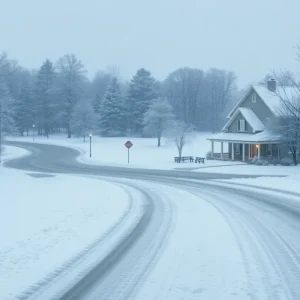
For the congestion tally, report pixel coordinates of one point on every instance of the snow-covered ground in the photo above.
(48, 224)
(289, 183)
(247, 169)
(12, 152)
(145, 154)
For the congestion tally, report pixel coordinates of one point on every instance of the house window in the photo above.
(253, 98)
(242, 126)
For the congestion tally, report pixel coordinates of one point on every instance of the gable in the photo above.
(247, 114)
(232, 126)
(260, 108)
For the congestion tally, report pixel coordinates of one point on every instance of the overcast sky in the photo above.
(247, 37)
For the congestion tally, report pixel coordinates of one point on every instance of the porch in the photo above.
(244, 146)
(243, 151)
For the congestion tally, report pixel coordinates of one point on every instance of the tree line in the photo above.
(58, 97)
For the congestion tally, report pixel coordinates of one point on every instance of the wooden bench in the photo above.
(183, 159)
(199, 159)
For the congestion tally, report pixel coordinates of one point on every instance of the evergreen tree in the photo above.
(6, 109)
(112, 113)
(24, 109)
(44, 96)
(143, 89)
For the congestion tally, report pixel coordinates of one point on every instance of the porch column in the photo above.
(221, 150)
(212, 148)
(232, 151)
(243, 152)
(258, 152)
(249, 151)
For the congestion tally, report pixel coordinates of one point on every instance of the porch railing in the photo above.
(217, 156)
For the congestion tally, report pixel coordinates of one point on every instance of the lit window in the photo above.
(253, 98)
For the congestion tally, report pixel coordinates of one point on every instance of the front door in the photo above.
(252, 150)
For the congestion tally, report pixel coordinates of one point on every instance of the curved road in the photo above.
(264, 230)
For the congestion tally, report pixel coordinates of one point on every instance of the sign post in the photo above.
(128, 145)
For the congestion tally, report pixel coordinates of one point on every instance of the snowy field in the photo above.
(47, 224)
(145, 154)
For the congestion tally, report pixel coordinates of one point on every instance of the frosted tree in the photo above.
(99, 86)
(157, 119)
(83, 119)
(24, 109)
(182, 134)
(287, 128)
(219, 87)
(97, 103)
(45, 98)
(6, 100)
(287, 124)
(112, 113)
(70, 81)
(6, 109)
(143, 90)
(184, 90)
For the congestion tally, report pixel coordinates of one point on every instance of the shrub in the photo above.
(209, 155)
(266, 163)
(254, 160)
(286, 161)
(274, 161)
(259, 162)
(262, 162)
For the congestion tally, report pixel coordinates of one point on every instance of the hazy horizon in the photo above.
(250, 39)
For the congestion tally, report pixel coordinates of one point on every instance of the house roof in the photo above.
(271, 99)
(250, 117)
(261, 137)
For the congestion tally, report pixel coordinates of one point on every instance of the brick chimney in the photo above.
(272, 85)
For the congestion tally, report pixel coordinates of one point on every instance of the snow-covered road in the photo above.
(198, 240)
(211, 243)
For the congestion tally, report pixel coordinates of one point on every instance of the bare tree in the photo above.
(182, 134)
(3, 60)
(284, 77)
(288, 92)
(220, 85)
(71, 75)
(157, 119)
(114, 71)
(287, 128)
(83, 119)
(183, 89)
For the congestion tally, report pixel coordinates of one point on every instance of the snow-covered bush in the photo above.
(275, 161)
(261, 162)
(286, 161)
(209, 155)
(254, 160)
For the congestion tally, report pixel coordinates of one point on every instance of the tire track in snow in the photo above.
(264, 244)
(133, 270)
(35, 290)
